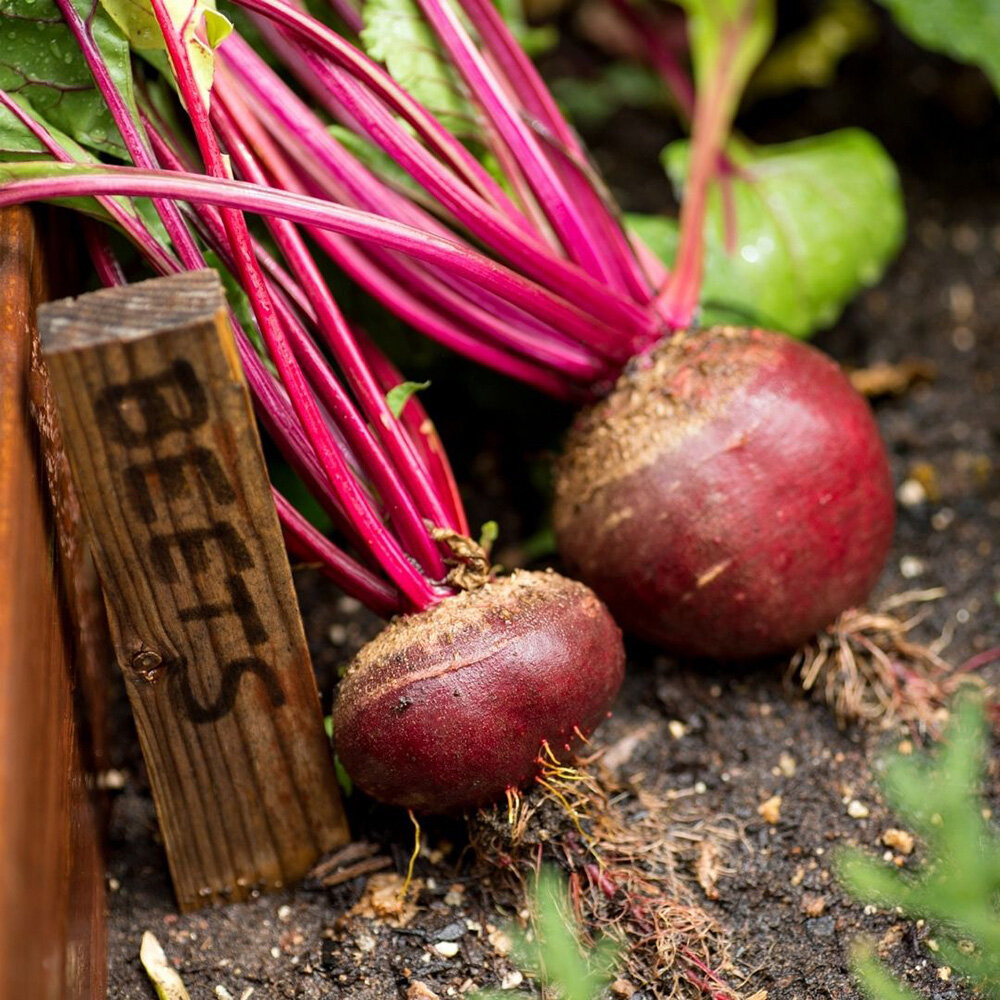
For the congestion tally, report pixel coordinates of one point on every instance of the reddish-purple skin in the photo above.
(447, 709)
(766, 511)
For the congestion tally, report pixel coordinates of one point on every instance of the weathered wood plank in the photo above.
(157, 423)
(52, 943)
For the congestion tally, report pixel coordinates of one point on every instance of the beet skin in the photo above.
(729, 498)
(446, 709)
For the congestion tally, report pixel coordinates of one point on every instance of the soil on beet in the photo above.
(726, 739)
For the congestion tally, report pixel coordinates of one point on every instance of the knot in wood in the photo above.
(147, 663)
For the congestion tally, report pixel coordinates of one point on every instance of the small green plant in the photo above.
(957, 889)
(557, 954)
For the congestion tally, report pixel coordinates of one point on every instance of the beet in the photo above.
(729, 498)
(448, 708)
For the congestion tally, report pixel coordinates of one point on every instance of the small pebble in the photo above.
(770, 811)
(820, 927)
(965, 239)
(963, 302)
(452, 932)
(911, 567)
(677, 729)
(911, 493)
(786, 764)
(622, 988)
(857, 810)
(420, 991)
(501, 941)
(963, 339)
(111, 780)
(942, 518)
(446, 949)
(512, 980)
(454, 895)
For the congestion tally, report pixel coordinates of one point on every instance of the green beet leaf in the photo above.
(42, 64)
(966, 30)
(794, 232)
(24, 156)
(535, 40)
(398, 396)
(17, 142)
(137, 20)
(729, 36)
(396, 34)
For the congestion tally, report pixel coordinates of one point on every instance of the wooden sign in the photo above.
(157, 423)
(52, 929)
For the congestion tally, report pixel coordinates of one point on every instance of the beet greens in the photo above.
(542, 646)
(493, 234)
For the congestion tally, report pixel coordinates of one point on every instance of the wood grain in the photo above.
(52, 943)
(157, 423)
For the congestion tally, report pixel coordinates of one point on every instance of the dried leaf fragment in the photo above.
(885, 379)
(165, 980)
(383, 899)
(707, 868)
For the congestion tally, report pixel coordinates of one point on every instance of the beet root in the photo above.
(446, 709)
(729, 498)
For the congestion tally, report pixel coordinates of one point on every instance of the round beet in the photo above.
(729, 498)
(448, 708)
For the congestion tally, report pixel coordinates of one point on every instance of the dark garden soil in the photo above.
(716, 742)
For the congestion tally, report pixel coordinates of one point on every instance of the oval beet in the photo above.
(729, 498)
(448, 708)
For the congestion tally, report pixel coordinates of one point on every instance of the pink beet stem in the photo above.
(135, 142)
(660, 55)
(494, 317)
(383, 544)
(421, 428)
(496, 228)
(85, 180)
(573, 230)
(129, 221)
(713, 115)
(311, 545)
(537, 106)
(347, 354)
